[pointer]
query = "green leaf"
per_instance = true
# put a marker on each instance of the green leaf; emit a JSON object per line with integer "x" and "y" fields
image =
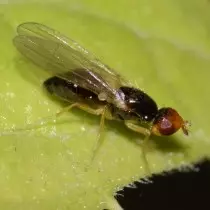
{"x": 163, "y": 46}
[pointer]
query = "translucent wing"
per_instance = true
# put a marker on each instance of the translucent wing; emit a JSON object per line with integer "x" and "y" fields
{"x": 65, "y": 58}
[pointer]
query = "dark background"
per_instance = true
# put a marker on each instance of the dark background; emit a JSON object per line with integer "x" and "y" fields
{"x": 176, "y": 190}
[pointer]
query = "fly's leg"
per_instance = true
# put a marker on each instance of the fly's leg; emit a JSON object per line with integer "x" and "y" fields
{"x": 39, "y": 123}
{"x": 82, "y": 107}
{"x": 46, "y": 120}
{"x": 99, "y": 140}
{"x": 137, "y": 128}
{"x": 100, "y": 111}
{"x": 146, "y": 132}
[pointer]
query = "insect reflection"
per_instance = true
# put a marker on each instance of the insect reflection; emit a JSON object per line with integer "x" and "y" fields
{"x": 79, "y": 78}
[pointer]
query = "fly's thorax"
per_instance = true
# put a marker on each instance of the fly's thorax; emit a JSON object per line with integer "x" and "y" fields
{"x": 139, "y": 103}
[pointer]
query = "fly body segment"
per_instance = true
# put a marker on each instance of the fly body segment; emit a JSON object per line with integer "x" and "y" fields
{"x": 81, "y": 79}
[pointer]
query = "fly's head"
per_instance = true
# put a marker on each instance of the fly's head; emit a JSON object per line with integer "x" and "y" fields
{"x": 167, "y": 122}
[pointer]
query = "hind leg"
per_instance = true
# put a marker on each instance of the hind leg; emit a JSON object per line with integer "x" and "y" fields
{"x": 83, "y": 107}
{"x": 100, "y": 111}
{"x": 49, "y": 119}
{"x": 100, "y": 139}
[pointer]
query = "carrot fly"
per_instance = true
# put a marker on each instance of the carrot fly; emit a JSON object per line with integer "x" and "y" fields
{"x": 82, "y": 80}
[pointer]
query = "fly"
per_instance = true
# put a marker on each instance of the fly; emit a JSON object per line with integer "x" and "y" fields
{"x": 82, "y": 80}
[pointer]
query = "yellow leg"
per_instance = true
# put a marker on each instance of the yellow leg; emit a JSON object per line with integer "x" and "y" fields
{"x": 101, "y": 111}
{"x": 146, "y": 132}
{"x": 44, "y": 121}
{"x": 82, "y": 107}
{"x": 137, "y": 128}
{"x": 68, "y": 108}
{"x": 99, "y": 140}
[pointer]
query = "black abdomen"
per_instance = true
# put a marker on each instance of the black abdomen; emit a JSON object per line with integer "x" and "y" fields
{"x": 68, "y": 91}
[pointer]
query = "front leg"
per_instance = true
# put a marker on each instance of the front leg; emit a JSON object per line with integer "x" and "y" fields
{"x": 139, "y": 129}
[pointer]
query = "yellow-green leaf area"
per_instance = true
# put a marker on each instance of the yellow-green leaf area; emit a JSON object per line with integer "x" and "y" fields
{"x": 161, "y": 46}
